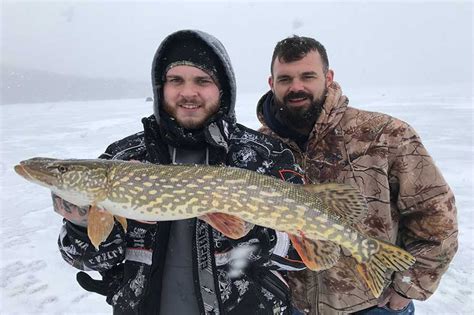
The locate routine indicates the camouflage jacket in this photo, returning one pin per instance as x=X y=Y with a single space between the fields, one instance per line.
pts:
x=409 y=201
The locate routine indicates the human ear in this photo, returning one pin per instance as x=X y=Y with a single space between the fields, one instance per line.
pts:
x=270 y=82
x=329 y=77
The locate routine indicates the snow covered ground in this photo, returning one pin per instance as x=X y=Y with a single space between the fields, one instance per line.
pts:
x=35 y=280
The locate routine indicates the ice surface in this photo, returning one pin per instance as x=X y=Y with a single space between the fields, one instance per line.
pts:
x=34 y=278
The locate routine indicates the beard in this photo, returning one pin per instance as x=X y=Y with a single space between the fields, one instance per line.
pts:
x=300 y=117
x=191 y=121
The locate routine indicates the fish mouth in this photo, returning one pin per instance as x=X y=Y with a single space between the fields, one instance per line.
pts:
x=20 y=170
x=36 y=170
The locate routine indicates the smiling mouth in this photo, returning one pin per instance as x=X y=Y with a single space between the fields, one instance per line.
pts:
x=297 y=100
x=190 y=106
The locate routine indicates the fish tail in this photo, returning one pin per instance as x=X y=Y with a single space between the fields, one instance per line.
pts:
x=388 y=256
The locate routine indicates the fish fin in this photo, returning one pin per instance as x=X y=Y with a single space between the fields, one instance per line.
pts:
x=342 y=199
x=387 y=257
x=122 y=221
x=316 y=254
x=99 y=225
x=229 y=225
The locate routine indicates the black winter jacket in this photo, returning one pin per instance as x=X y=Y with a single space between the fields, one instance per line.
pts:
x=134 y=286
x=132 y=263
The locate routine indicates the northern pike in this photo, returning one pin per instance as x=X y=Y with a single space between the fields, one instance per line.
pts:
x=320 y=219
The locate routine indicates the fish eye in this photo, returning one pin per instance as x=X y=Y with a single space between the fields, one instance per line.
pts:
x=62 y=169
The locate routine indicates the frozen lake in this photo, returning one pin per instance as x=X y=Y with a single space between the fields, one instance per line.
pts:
x=34 y=278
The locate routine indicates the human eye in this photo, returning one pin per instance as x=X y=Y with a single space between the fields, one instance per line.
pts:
x=283 y=80
x=309 y=76
x=204 y=81
x=174 y=80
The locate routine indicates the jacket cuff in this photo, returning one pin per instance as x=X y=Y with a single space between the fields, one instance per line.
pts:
x=404 y=286
x=402 y=294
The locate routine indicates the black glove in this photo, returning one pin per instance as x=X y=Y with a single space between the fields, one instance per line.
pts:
x=110 y=283
x=124 y=284
x=76 y=249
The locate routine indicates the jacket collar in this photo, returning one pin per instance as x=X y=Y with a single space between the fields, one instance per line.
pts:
x=331 y=114
x=274 y=124
x=215 y=138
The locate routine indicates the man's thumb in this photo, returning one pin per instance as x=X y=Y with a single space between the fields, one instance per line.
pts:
x=90 y=284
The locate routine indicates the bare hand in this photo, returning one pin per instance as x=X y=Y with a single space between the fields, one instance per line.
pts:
x=72 y=213
x=393 y=300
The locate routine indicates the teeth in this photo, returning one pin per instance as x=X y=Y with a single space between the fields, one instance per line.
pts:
x=189 y=106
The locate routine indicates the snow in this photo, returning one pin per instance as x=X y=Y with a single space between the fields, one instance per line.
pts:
x=35 y=279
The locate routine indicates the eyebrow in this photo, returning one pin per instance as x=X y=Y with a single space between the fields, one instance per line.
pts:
x=181 y=76
x=173 y=76
x=304 y=73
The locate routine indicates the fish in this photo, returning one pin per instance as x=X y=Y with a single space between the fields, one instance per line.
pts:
x=320 y=219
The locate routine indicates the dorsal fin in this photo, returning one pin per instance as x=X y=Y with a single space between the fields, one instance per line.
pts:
x=343 y=200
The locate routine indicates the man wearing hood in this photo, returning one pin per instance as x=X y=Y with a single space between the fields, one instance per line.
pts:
x=410 y=203
x=186 y=266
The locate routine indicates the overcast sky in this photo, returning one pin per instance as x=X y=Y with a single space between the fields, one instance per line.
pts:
x=368 y=42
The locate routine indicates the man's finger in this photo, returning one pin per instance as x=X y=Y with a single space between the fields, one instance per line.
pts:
x=385 y=297
x=398 y=302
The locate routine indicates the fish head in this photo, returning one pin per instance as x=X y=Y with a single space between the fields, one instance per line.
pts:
x=81 y=182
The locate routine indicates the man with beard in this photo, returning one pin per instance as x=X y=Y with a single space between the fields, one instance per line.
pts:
x=410 y=203
x=187 y=266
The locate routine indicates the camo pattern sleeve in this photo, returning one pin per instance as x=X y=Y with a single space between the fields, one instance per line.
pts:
x=76 y=249
x=428 y=215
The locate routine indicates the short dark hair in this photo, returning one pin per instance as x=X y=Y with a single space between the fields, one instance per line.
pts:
x=297 y=47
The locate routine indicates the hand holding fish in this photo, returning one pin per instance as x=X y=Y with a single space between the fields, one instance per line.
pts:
x=69 y=211
x=393 y=300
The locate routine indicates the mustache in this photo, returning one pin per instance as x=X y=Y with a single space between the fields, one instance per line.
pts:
x=296 y=95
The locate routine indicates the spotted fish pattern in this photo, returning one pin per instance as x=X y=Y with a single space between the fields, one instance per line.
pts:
x=152 y=192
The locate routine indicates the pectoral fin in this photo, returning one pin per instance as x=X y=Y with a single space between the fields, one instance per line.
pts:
x=316 y=254
x=229 y=225
x=122 y=221
x=100 y=224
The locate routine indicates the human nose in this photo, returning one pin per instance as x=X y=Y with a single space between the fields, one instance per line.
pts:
x=296 y=85
x=188 y=90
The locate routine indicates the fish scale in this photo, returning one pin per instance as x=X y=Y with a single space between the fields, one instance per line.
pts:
x=318 y=218
x=264 y=199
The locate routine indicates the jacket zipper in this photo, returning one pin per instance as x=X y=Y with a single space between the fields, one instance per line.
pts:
x=318 y=280
x=273 y=284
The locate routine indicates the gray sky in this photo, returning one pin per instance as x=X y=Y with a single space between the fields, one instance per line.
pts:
x=369 y=43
